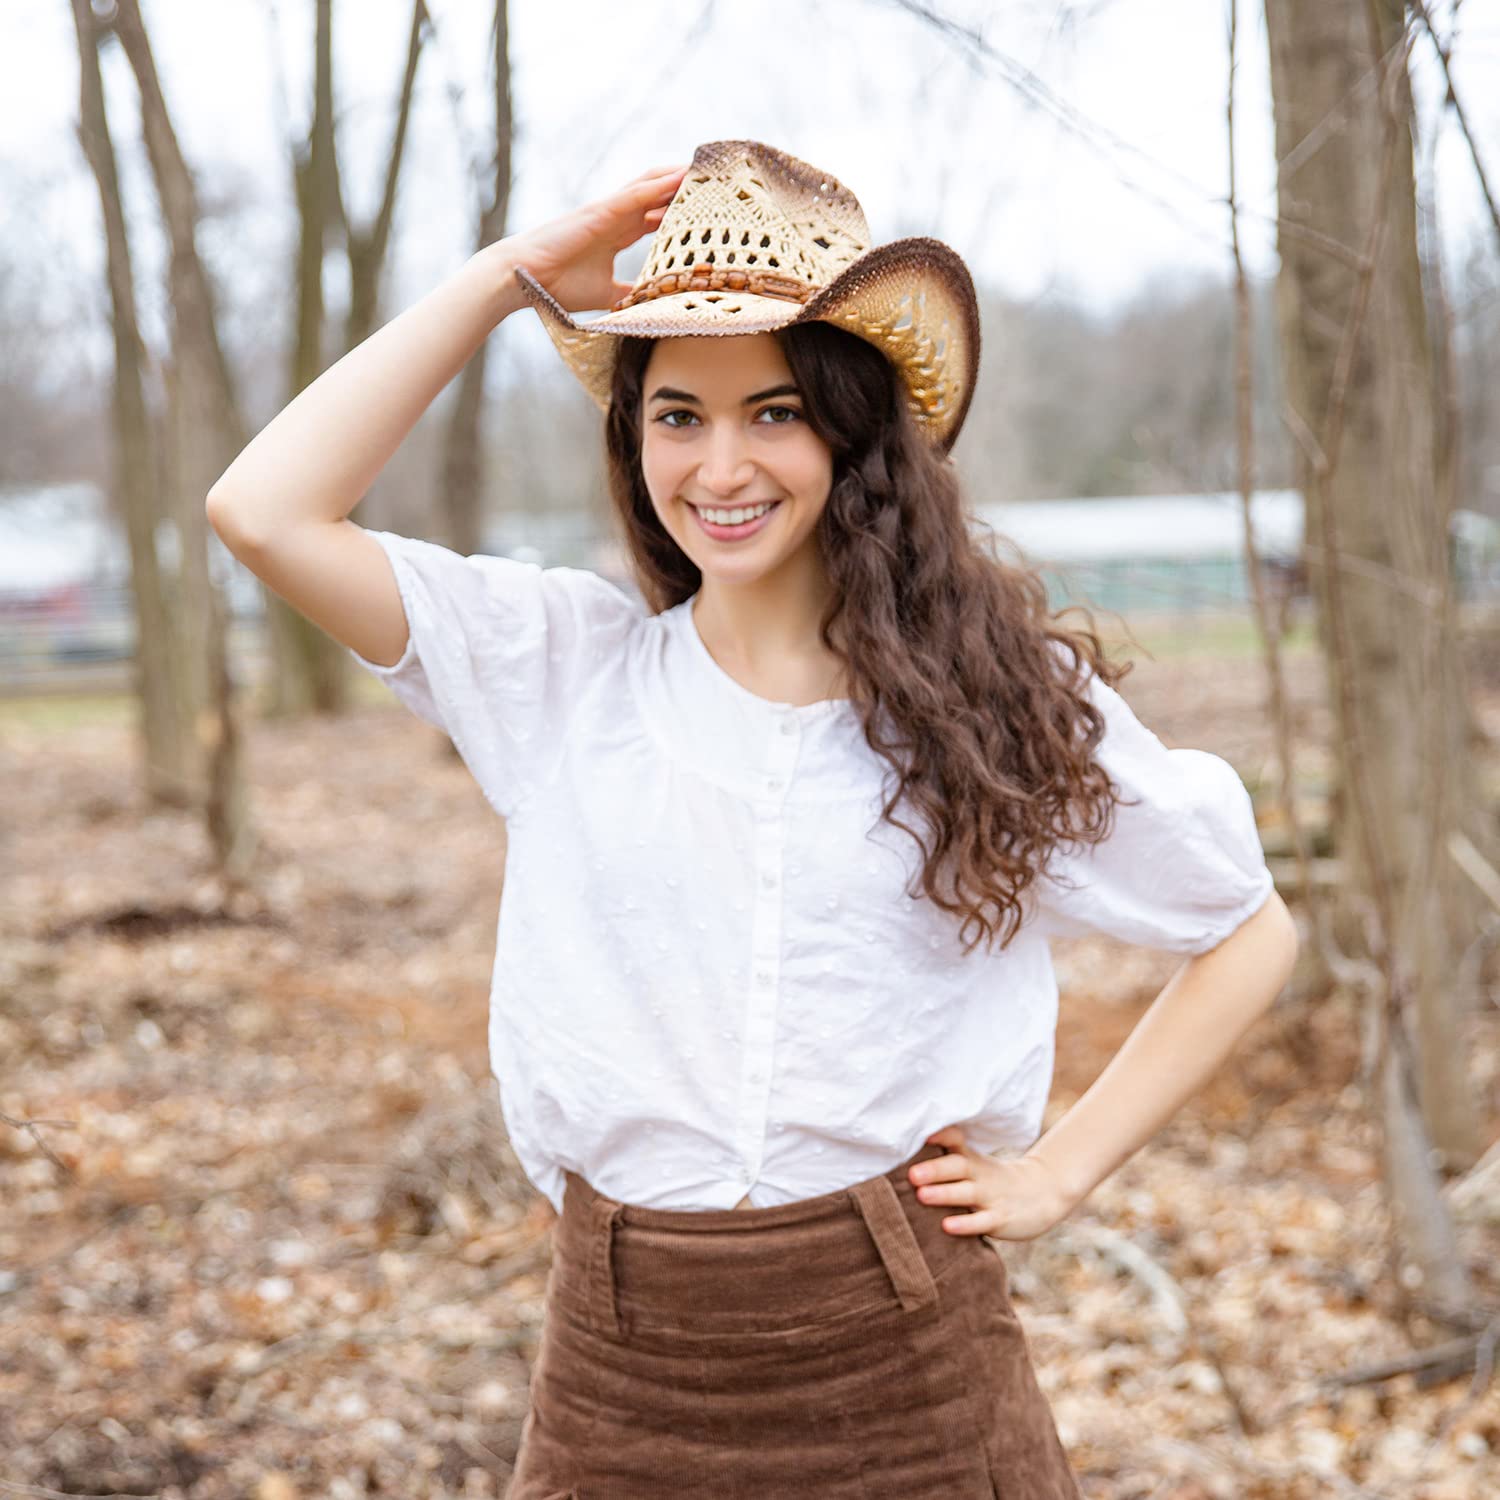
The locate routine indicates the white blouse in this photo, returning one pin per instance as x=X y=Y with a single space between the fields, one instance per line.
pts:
x=709 y=978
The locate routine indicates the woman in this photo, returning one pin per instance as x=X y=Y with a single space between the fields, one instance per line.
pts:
x=773 y=1007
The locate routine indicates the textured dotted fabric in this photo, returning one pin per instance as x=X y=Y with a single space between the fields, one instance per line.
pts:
x=710 y=979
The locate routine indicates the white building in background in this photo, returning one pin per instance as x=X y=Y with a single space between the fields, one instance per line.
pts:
x=1182 y=528
x=1185 y=554
x=1179 y=553
x=64 y=536
x=57 y=536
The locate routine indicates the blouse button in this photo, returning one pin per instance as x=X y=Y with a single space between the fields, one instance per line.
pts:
x=769 y=880
x=763 y=976
x=773 y=783
x=787 y=727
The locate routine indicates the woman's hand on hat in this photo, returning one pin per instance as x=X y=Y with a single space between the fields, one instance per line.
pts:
x=1008 y=1198
x=573 y=255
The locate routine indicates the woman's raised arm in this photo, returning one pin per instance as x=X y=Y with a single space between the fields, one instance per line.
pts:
x=282 y=506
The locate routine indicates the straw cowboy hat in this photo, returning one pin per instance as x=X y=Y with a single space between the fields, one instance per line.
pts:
x=755 y=240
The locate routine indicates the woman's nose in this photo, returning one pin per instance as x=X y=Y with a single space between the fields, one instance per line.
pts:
x=726 y=468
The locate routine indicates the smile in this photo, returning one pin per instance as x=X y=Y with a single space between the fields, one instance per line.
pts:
x=731 y=523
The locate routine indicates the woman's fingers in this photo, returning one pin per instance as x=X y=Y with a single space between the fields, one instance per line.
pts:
x=980 y=1221
x=963 y=1190
x=940 y=1169
x=630 y=203
x=659 y=172
x=655 y=181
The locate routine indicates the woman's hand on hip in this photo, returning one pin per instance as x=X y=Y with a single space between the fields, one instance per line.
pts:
x=1008 y=1198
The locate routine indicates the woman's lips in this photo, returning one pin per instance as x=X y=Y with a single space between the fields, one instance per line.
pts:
x=733 y=533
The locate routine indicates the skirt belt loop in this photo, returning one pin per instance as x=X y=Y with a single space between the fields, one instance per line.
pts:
x=604 y=1304
x=892 y=1232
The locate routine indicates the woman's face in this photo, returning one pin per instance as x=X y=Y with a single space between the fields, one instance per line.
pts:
x=723 y=431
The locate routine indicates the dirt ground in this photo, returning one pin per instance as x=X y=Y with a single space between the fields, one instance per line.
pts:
x=285 y=1250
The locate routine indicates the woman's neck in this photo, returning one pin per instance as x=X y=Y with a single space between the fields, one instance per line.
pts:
x=767 y=640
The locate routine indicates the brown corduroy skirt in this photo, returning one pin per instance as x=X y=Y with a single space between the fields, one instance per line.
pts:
x=845 y=1347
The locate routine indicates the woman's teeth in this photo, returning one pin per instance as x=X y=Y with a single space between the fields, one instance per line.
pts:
x=735 y=517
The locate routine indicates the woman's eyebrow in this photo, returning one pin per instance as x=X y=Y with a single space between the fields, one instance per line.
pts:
x=670 y=393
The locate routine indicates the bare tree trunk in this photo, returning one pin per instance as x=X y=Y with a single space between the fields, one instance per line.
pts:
x=203 y=432
x=368 y=248
x=463 y=453
x=1270 y=613
x=311 y=669
x=166 y=732
x=1360 y=386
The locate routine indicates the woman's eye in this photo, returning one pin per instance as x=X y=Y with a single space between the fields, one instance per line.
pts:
x=682 y=411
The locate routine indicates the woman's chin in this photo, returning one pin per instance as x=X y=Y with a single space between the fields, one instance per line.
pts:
x=735 y=570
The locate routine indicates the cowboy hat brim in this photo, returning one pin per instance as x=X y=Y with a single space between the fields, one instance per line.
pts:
x=913 y=298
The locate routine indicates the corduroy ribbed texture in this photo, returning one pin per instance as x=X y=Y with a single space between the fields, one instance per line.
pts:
x=843 y=1347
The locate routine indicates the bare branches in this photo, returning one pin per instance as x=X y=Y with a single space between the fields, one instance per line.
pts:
x=8 y=1487
x=1110 y=144
x=1276 y=690
x=1036 y=92
x=31 y=1127
x=368 y=248
x=1444 y=54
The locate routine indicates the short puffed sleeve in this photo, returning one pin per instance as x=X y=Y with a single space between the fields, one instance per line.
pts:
x=1180 y=869
x=500 y=654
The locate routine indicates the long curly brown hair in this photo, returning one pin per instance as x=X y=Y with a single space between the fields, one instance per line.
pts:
x=954 y=659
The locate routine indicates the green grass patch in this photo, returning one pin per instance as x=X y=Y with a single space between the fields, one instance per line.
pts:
x=1229 y=636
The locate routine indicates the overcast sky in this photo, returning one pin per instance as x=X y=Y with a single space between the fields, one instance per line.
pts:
x=1097 y=177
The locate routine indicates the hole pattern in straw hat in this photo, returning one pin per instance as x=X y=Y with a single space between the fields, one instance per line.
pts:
x=768 y=228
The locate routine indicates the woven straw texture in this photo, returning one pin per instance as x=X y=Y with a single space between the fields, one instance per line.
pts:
x=756 y=240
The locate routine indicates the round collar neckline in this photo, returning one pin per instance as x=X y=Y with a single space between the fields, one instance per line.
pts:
x=818 y=708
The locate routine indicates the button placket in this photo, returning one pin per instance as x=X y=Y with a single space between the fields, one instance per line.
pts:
x=763 y=993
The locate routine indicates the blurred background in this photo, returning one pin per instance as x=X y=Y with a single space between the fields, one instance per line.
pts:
x=1239 y=270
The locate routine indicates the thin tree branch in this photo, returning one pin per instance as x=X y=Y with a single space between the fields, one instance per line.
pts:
x=1276 y=691
x=1458 y=110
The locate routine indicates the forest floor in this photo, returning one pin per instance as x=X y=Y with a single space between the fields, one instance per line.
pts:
x=285 y=1250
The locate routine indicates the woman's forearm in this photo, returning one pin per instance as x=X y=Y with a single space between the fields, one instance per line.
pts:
x=1177 y=1046
x=319 y=455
